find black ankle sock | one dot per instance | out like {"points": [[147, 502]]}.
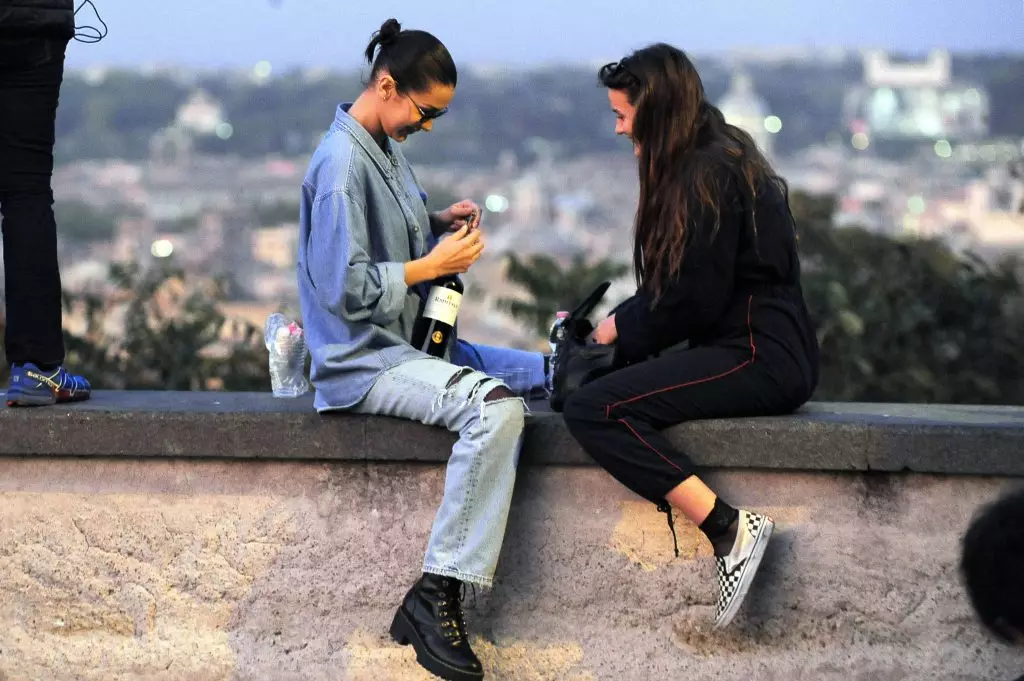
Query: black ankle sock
{"points": [[721, 526]]}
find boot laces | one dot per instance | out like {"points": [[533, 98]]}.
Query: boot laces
{"points": [[451, 614]]}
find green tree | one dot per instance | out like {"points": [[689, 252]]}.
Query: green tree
{"points": [[909, 320], [551, 287], [174, 336]]}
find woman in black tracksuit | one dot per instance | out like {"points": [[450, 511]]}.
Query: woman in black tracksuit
{"points": [[716, 263]]}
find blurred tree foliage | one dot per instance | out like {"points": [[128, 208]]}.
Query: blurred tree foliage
{"points": [[162, 330], [909, 321], [551, 287]]}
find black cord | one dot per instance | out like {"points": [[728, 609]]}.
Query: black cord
{"points": [[83, 34], [667, 510]]}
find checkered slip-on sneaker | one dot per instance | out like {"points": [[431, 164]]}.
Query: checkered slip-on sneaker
{"points": [[736, 571]]}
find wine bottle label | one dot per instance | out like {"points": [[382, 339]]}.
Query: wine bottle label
{"points": [[443, 305]]}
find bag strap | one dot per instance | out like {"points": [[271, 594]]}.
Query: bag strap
{"points": [[584, 309]]}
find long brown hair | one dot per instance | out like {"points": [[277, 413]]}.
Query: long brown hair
{"points": [[684, 145]]}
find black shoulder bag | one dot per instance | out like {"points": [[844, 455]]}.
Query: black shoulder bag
{"points": [[578, 361]]}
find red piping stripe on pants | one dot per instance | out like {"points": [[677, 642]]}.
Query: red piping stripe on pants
{"points": [[707, 379]]}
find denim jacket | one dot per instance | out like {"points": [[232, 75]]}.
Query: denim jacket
{"points": [[362, 217]]}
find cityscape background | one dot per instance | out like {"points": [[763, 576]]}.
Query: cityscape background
{"points": [[183, 137]]}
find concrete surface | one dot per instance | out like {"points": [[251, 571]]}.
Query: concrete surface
{"points": [[224, 537], [167, 569], [822, 436]]}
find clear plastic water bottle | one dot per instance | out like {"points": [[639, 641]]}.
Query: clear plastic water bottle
{"points": [[286, 344], [555, 336], [557, 330]]}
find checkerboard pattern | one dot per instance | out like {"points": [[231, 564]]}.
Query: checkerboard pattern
{"points": [[736, 570]]}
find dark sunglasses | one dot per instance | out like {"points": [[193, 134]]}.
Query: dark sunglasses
{"points": [[427, 114]]}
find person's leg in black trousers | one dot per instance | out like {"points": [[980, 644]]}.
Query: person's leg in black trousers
{"points": [[31, 72], [618, 420]]}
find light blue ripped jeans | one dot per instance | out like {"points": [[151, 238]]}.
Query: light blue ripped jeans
{"points": [[469, 527]]}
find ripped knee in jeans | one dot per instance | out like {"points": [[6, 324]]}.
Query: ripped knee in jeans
{"points": [[505, 405], [458, 376], [499, 393]]}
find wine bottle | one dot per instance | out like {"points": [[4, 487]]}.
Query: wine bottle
{"points": [[433, 328]]}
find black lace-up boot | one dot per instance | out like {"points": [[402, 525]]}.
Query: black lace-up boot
{"points": [[431, 619]]}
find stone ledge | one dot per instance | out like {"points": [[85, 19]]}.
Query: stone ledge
{"points": [[822, 436]]}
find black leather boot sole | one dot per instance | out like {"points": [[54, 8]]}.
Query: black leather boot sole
{"points": [[404, 634]]}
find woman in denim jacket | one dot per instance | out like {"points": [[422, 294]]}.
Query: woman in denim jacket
{"points": [[367, 250]]}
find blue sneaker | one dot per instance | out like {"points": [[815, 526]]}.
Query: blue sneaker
{"points": [[31, 387]]}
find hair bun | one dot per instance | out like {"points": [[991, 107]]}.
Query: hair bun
{"points": [[389, 30]]}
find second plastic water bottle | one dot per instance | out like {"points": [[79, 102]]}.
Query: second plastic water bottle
{"points": [[555, 336]]}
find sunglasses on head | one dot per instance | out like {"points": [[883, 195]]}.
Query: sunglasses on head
{"points": [[618, 70]]}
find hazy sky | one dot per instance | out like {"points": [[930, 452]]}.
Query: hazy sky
{"points": [[213, 33]]}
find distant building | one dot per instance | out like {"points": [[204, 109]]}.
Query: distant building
{"points": [[201, 114], [744, 108], [170, 146], [237, 257], [881, 71], [276, 246], [132, 240], [530, 203], [915, 102], [573, 212]]}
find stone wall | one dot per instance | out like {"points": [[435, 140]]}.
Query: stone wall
{"points": [[177, 569]]}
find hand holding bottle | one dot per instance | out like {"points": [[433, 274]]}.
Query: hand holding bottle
{"points": [[456, 253]]}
